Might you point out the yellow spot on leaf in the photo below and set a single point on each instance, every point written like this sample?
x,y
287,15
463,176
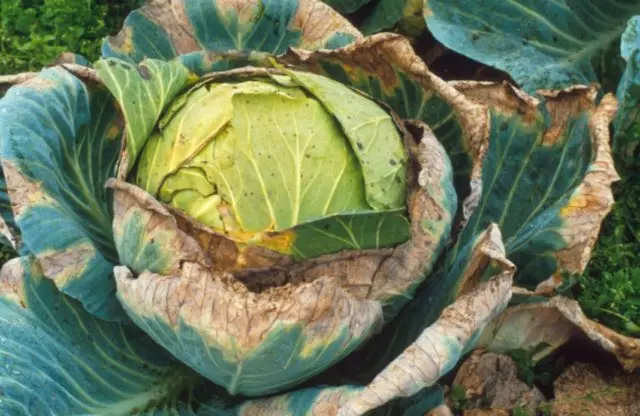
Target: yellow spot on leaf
x,y
113,132
64,266
192,78
281,242
314,345
577,202
127,44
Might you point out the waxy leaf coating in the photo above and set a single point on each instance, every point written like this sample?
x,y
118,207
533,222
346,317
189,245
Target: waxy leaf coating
x,y
59,141
541,44
59,359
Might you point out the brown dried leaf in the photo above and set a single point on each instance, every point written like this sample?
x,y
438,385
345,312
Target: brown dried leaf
x,y
554,323
426,360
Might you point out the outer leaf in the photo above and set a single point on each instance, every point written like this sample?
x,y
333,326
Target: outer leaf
x,y
52,126
58,359
165,29
437,350
482,258
541,44
204,62
213,323
549,217
330,401
72,58
142,92
384,16
627,122
553,323
7,81
8,227
386,67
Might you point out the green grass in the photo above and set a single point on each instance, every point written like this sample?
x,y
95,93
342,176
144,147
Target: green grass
x,y
609,290
33,33
6,253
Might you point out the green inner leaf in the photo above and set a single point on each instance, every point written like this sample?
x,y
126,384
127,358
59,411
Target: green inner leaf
x,y
267,155
142,92
373,136
351,232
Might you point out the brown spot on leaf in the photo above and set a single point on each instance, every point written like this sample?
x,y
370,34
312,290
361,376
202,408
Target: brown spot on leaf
x,y
12,281
144,72
318,23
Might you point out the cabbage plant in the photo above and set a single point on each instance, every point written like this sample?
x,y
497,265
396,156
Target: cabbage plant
x,y
249,208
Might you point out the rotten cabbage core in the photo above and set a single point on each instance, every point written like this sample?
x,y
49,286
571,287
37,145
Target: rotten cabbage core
x,y
268,153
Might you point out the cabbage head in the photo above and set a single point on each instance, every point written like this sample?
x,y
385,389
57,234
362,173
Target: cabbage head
x,y
249,208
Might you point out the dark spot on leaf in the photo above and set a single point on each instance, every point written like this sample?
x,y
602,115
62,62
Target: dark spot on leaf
x,y
475,37
392,162
360,145
144,72
504,126
111,63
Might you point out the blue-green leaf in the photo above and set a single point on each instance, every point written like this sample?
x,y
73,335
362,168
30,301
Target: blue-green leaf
x,y
57,359
59,140
72,58
203,62
627,122
346,6
162,30
384,15
541,44
546,182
